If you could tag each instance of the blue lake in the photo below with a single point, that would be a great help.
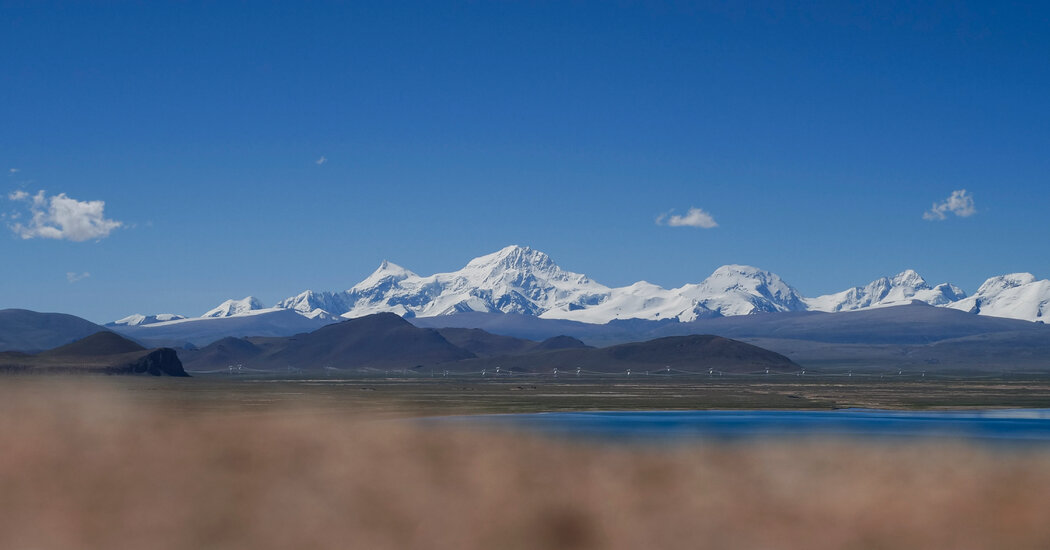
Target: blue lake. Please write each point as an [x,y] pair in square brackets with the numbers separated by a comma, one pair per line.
[1015,425]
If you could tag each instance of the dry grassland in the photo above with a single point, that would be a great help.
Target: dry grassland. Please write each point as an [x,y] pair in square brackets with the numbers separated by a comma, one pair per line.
[87,468]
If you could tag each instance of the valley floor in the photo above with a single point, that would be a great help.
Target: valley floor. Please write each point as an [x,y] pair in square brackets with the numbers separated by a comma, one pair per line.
[387,397]
[118,462]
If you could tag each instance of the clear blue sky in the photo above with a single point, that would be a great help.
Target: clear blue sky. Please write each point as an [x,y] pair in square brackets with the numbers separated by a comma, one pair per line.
[815,137]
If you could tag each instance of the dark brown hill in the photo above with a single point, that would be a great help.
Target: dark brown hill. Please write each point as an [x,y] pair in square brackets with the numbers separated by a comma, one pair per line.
[388,341]
[31,331]
[100,353]
[384,340]
[691,354]
[381,340]
[559,342]
[484,344]
[100,343]
[225,352]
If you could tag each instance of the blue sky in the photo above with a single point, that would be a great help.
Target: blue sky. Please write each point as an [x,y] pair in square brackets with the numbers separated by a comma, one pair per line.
[816,138]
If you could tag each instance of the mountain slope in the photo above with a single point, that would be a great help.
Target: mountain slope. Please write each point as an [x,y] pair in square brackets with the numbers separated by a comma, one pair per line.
[387,341]
[230,308]
[693,354]
[383,340]
[100,343]
[100,353]
[915,336]
[903,288]
[203,331]
[30,331]
[522,281]
[139,319]
[1017,296]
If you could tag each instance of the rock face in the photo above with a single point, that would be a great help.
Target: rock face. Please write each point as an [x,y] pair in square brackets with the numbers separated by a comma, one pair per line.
[159,362]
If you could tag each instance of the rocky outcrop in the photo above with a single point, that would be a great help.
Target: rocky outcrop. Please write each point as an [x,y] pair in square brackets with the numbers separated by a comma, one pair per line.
[159,362]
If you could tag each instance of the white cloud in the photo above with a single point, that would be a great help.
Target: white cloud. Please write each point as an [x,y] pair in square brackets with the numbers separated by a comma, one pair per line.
[73,276]
[695,217]
[321,160]
[61,217]
[13,171]
[959,203]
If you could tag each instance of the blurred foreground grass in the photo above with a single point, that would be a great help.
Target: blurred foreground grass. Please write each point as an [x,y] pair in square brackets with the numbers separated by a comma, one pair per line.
[88,464]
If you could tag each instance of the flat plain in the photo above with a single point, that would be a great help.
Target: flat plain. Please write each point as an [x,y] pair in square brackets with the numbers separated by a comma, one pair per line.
[240,462]
[403,396]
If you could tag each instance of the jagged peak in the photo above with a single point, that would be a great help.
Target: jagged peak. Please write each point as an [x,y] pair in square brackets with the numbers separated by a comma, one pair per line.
[131,320]
[235,307]
[1003,282]
[138,319]
[387,271]
[739,269]
[512,257]
[909,278]
[733,273]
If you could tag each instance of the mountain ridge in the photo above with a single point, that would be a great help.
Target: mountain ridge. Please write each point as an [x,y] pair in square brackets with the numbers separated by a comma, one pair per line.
[521,280]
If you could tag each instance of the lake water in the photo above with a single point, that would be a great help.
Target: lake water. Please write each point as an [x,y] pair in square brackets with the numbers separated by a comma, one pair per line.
[1016,425]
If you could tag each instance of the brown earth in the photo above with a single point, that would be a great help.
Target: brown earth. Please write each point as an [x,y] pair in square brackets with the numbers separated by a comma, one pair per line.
[166,464]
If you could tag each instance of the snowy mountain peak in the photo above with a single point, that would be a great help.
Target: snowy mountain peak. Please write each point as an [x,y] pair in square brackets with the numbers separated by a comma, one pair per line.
[316,304]
[902,288]
[140,320]
[744,290]
[386,273]
[731,275]
[518,279]
[909,279]
[229,308]
[1005,282]
[1017,295]
[517,257]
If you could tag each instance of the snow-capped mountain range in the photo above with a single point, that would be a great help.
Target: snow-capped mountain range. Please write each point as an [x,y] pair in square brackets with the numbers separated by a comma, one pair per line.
[521,280]
[139,320]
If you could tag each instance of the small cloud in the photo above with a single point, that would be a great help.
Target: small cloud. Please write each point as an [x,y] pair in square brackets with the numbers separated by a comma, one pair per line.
[64,218]
[321,160]
[14,171]
[959,203]
[73,277]
[695,217]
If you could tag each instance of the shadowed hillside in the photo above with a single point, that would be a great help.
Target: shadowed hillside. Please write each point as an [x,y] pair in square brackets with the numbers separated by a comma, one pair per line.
[387,341]
[696,354]
[376,341]
[30,331]
[916,336]
[100,353]
[100,343]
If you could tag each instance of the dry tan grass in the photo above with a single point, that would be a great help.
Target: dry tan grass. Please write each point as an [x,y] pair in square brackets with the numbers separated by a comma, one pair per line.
[83,469]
